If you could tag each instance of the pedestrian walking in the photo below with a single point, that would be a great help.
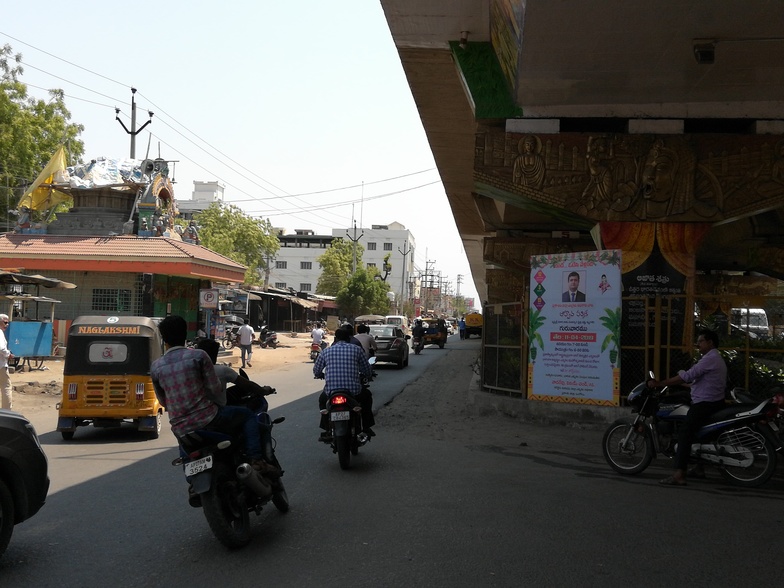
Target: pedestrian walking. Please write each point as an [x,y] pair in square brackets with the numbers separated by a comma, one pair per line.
[6,389]
[246,335]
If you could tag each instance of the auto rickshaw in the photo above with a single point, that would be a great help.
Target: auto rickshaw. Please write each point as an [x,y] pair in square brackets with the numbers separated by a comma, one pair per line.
[106,375]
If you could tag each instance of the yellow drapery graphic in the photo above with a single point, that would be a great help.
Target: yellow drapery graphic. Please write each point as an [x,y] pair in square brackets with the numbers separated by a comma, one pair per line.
[678,242]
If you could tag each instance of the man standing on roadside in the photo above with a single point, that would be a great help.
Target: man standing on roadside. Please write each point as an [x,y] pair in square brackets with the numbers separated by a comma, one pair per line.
[245,335]
[5,357]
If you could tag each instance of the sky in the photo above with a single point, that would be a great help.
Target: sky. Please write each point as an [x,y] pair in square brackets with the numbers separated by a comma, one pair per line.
[301,109]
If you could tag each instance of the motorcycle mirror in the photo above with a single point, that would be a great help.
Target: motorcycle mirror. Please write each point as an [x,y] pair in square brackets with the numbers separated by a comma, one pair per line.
[372,361]
[651,375]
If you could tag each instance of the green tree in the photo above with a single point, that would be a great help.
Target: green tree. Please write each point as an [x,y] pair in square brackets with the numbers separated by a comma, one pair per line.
[31,130]
[364,293]
[227,230]
[337,264]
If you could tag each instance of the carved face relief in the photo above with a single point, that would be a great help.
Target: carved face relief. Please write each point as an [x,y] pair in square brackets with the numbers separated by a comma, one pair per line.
[659,174]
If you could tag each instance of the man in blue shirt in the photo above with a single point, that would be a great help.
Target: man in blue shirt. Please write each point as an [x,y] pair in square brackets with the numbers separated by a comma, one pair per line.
[342,365]
[708,381]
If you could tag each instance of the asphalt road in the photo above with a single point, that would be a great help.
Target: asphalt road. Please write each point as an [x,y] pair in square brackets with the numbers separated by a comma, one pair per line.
[438,498]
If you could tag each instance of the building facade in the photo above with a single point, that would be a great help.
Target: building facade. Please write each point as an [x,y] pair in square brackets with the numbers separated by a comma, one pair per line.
[296,267]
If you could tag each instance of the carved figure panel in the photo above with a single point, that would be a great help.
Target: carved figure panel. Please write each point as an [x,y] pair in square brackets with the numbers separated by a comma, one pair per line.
[680,178]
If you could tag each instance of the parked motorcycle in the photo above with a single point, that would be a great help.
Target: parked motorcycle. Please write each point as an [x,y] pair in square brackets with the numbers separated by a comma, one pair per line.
[222,481]
[344,432]
[738,440]
[268,338]
[231,338]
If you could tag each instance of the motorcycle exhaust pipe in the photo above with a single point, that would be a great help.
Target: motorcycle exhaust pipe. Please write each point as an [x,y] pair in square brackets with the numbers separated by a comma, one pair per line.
[254,480]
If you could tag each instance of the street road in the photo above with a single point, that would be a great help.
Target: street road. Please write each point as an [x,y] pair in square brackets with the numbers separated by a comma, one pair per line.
[536,508]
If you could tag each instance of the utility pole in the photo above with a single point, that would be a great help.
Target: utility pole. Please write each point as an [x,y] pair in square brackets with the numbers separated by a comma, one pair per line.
[354,241]
[403,273]
[133,132]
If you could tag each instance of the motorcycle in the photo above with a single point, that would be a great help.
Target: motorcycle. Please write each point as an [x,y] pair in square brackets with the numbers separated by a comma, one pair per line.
[221,479]
[316,349]
[344,431]
[737,439]
[231,338]
[418,344]
[268,338]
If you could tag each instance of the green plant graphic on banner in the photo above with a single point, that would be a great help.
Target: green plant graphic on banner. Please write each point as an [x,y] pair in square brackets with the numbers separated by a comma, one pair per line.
[535,322]
[612,322]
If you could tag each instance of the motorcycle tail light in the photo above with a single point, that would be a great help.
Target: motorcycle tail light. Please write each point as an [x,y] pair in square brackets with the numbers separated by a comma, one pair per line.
[339,400]
[72,391]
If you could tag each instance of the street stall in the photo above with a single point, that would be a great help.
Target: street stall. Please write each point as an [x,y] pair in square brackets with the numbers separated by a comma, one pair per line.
[30,333]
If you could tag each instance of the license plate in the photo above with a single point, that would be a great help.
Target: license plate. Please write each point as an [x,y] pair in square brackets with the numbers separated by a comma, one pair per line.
[200,465]
[343,415]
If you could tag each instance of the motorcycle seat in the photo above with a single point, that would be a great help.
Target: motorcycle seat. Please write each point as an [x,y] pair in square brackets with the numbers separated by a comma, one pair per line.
[730,411]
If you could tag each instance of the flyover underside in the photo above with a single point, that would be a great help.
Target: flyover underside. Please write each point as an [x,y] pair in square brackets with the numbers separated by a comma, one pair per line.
[545,192]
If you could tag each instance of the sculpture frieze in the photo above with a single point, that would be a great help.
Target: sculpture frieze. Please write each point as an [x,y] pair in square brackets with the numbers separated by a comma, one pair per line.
[621,177]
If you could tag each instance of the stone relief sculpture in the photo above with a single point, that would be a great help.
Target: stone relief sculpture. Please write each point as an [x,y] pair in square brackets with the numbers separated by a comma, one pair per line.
[623,177]
[528,169]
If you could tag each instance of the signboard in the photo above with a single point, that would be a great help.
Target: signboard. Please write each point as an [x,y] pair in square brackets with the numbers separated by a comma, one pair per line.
[208,298]
[574,327]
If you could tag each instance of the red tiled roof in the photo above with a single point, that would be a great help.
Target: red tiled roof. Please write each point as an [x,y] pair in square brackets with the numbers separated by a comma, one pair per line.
[121,253]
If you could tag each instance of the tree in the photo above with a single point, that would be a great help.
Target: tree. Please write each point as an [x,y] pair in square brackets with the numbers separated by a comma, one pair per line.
[227,230]
[337,265]
[364,293]
[31,130]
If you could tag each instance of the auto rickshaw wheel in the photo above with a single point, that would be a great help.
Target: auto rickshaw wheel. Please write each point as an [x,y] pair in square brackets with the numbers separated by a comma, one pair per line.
[67,435]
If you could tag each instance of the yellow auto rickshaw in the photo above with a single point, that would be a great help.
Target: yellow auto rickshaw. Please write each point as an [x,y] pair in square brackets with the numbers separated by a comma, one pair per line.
[106,375]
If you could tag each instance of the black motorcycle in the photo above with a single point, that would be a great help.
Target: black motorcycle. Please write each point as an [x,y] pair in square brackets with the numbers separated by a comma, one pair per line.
[222,481]
[344,431]
[738,439]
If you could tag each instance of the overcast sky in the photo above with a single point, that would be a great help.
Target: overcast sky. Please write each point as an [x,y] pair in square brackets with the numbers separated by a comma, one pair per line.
[301,109]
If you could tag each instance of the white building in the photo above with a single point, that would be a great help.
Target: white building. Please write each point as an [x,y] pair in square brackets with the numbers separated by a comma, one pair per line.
[295,264]
[204,194]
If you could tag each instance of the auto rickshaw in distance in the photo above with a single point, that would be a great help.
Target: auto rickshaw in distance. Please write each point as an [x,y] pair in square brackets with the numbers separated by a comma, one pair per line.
[106,375]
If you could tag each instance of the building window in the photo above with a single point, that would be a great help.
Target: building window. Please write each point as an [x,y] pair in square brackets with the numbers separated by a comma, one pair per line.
[304,287]
[371,246]
[371,265]
[111,300]
[305,265]
[387,246]
[281,285]
[281,264]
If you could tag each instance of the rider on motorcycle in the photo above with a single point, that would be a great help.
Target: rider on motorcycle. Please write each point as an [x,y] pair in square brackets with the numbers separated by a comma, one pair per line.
[318,336]
[187,386]
[342,365]
[418,332]
[708,380]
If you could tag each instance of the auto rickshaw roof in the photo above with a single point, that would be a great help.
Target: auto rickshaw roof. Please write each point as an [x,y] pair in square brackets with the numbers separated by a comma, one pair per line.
[113,321]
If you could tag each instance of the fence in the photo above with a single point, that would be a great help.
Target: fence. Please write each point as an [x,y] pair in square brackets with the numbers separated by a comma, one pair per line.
[658,335]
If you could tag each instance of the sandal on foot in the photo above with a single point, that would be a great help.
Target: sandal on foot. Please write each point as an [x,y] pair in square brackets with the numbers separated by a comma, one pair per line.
[672,481]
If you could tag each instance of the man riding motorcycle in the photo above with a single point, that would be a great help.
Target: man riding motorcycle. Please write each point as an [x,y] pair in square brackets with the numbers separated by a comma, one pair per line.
[342,365]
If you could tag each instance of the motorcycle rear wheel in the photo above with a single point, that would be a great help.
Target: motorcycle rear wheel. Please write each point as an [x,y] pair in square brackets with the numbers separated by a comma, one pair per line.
[225,509]
[228,344]
[343,444]
[637,454]
[757,473]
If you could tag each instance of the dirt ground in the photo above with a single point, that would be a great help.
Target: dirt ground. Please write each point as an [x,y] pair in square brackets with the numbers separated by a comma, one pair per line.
[40,390]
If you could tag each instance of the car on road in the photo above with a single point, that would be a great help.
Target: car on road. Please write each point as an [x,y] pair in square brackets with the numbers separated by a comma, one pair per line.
[392,344]
[24,473]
